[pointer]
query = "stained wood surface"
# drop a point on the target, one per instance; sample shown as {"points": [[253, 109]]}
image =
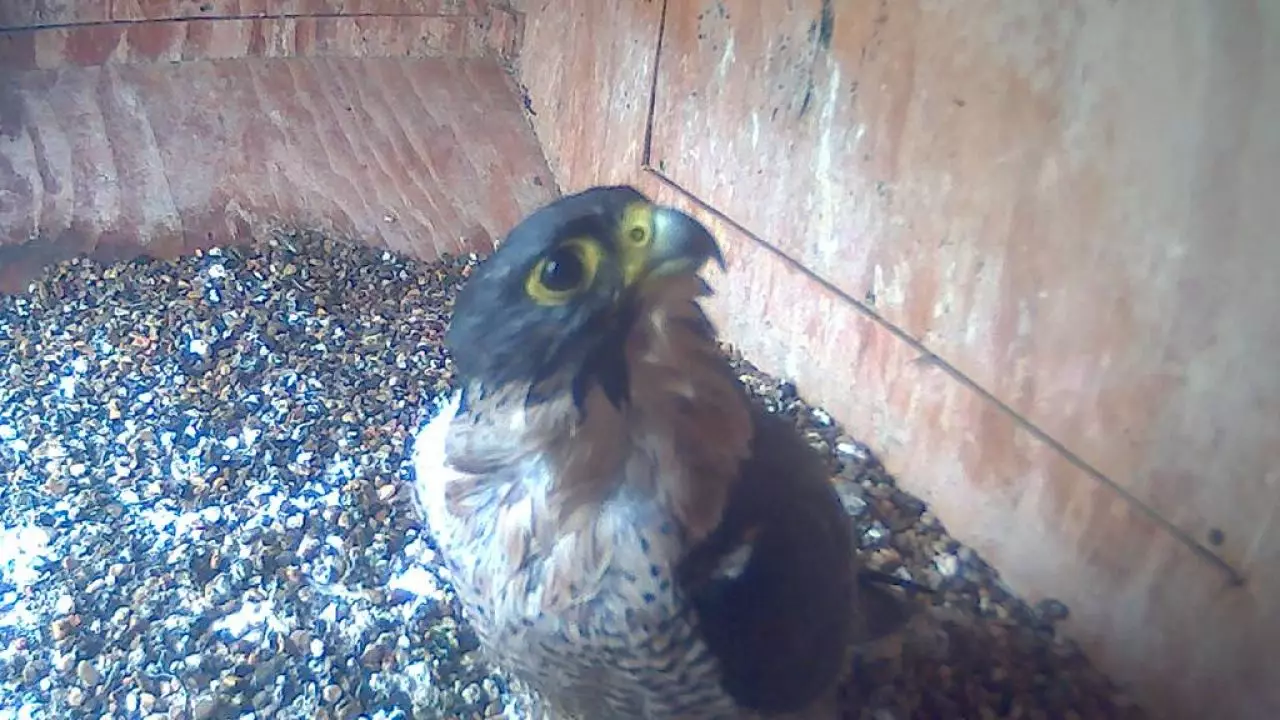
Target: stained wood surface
{"points": [[48, 13], [1067, 203], [1074, 208], [421, 155], [122, 32]]}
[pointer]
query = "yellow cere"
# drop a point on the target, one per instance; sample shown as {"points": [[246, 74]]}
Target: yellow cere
{"points": [[635, 236], [586, 251]]}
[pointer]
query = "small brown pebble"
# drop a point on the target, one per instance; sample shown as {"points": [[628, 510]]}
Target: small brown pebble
{"points": [[387, 493], [371, 658], [88, 673], [62, 627]]}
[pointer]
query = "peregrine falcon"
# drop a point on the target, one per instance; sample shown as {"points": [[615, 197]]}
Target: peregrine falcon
{"points": [[631, 535]]}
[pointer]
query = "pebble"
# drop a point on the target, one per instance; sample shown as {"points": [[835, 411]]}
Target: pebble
{"points": [[947, 565], [75, 697], [88, 674]]}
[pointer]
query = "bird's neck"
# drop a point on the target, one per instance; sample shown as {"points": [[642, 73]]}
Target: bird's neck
{"points": [[688, 425], [679, 438]]}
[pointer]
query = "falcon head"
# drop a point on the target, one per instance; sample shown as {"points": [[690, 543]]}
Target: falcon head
{"points": [[553, 307]]}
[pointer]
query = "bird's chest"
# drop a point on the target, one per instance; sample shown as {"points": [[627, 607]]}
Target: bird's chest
{"points": [[606, 654], [591, 618], [595, 622]]}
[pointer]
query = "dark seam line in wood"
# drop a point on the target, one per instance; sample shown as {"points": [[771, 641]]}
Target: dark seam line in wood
{"points": [[647, 150], [1234, 577]]}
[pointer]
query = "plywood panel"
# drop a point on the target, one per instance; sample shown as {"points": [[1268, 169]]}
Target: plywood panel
{"points": [[49, 13], [1071, 203], [423, 156], [178, 40], [1142, 603], [97, 31], [586, 69]]}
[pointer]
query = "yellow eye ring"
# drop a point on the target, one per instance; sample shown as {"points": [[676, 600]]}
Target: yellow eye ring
{"points": [[565, 271], [636, 222]]}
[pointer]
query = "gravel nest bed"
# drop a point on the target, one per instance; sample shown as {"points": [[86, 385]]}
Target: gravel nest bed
{"points": [[204, 512]]}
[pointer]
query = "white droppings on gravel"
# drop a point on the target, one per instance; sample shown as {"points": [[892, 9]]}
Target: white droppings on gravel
{"points": [[248, 622], [24, 552], [171, 525], [18, 710], [420, 584]]}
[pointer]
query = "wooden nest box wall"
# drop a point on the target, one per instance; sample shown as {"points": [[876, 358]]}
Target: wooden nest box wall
{"points": [[1027, 250]]}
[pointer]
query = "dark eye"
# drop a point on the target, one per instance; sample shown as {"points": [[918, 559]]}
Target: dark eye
{"points": [[562, 271]]}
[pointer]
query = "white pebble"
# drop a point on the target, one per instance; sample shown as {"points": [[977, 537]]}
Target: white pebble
{"points": [[7, 432], [211, 514], [198, 346], [947, 565], [217, 271], [317, 648], [64, 605]]}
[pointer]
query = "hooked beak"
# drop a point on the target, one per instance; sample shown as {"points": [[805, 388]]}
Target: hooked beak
{"points": [[680, 244]]}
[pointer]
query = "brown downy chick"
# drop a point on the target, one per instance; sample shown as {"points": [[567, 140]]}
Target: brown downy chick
{"points": [[630, 535]]}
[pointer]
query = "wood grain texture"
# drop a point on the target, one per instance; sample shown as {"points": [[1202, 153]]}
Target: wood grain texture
{"points": [[586, 67], [31, 13], [92, 32], [422, 156], [1070, 203], [179, 40], [1143, 605], [44, 13]]}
